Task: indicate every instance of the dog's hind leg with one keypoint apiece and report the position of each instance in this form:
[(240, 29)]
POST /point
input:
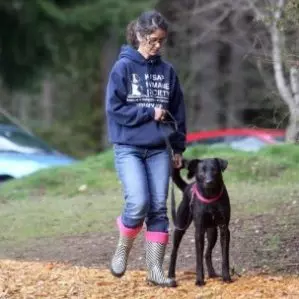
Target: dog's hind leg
[(177, 238), (225, 240), (182, 220), (212, 239)]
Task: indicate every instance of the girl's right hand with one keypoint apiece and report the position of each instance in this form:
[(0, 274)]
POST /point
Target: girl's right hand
[(159, 114)]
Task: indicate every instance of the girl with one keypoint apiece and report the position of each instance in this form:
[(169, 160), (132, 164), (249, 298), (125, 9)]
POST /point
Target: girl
[(143, 93)]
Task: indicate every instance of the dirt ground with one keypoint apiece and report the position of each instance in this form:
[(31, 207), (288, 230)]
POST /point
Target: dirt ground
[(263, 252), (257, 244), (32, 280)]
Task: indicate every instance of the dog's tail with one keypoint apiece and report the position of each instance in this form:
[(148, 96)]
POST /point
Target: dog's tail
[(177, 178), (181, 184)]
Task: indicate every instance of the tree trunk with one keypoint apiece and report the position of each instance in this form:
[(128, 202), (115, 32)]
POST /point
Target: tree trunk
[(109, 54), (236, 26), (24, 100), (204, 111), (236, 90), (293, 128), (287, 95), (47, 103)]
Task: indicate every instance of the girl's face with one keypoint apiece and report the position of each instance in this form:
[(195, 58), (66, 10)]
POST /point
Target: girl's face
[(150, 45)]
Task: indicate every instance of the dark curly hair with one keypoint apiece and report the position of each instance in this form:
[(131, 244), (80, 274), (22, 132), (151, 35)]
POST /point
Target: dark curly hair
[(146, 24), (131, 34)]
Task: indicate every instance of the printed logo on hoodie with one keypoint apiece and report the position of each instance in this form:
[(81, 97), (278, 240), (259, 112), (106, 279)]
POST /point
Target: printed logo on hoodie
[(150, 90)]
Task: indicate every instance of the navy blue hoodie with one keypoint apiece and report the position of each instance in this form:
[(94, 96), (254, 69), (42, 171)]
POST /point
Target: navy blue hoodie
[(136, 85)]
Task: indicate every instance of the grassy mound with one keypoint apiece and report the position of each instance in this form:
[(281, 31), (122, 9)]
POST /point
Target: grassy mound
[(86, 196), (96, 174)]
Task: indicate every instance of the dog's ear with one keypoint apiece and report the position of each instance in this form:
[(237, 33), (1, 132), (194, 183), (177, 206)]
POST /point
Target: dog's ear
[(222, 163), (192, 165)]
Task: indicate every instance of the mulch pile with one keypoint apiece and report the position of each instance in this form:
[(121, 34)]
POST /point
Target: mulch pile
[(55, 280)]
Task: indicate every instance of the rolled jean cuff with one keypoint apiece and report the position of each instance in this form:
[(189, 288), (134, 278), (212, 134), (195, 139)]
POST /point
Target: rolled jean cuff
[(130, 222), (126, 231)]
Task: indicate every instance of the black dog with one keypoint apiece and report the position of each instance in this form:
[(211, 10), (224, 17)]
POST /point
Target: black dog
[(205, 201)]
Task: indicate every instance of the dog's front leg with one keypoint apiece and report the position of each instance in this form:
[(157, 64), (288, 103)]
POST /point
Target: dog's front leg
[(225, 240), (199, 238), (212, 239)]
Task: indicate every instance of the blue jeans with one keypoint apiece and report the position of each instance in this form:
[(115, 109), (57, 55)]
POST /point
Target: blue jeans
[(144, 174)]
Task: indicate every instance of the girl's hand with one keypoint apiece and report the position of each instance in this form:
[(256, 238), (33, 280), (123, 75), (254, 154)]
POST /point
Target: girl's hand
[(159, 114), (177, 161)]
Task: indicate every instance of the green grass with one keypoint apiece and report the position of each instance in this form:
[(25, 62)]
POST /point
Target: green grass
[(273, 162), (21, 220), (53, 202), (96, 173)]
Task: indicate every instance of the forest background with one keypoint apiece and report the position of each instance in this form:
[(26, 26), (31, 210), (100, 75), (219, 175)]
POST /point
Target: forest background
[(237, 61)]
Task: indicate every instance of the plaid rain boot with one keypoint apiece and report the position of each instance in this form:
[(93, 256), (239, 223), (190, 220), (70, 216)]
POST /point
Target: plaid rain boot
[(155, 250), (125, 242)]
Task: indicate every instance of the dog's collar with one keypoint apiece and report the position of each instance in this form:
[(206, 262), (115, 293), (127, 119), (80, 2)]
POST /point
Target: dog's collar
[(195, 193)]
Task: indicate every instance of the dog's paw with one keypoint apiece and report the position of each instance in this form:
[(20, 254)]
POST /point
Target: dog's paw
[(227, 279), (200, 283), (171, 274)]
